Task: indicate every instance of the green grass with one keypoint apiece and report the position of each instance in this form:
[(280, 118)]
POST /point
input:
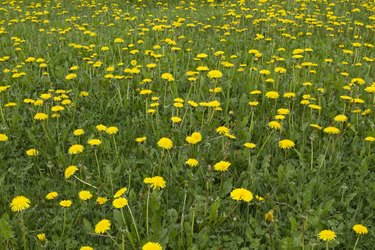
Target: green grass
[(323, 182)]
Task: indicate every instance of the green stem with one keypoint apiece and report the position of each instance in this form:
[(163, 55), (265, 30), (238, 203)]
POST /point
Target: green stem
[(135, 225), (147, 202), (356, 242), (63, 230), (23, 233), (97, 163)]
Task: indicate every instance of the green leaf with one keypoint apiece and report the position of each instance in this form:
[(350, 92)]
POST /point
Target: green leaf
[(6, 231)]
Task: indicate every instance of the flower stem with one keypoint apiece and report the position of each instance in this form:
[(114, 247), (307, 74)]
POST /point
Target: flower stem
[(63, 230), (23, 233), (356, 242), (135, 225), (147, 202)]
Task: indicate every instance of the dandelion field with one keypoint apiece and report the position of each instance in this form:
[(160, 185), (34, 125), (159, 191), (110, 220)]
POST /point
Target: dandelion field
[(187, 124)]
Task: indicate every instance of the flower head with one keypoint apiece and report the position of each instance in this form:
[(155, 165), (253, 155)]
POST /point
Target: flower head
[(120, 202), (156, 182), (75, 149), (51, 195), (66, 203), (194, 138), (86, 248), (120, 192), (192, 162), (3, 137), (40, 116), (85, 195), (32, 152), (214, 74), (152, 246), (102, 226), (222, 166), (69, 171), (19, 203), (112, 130), (286, 144), (327, 235), (360, 229), (94, 142), (241, 194), (41, 237), (331, 130), (165, 143)]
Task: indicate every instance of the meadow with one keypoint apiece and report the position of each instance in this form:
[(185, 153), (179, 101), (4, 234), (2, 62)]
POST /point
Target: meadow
[(210, 124)]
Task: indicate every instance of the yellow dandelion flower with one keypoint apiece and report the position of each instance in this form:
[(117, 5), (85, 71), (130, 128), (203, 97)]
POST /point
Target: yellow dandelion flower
[(3, 137), (327, 235), (120, 192), (75, 149), (241, 194), (40, 116), (32, 152), (112, 130), (214, 74), (269, 217), (86, 248), (250, 145), (340, 118), (274, 125), (102, 226), (19, 203), (85, 195), (360, 229), (272, 95), (41, 237), (192, 162), (51, 195), (286, 144), (156, 182), (152, 246), (94, 142), (331, 130), (69, 171), (141, 139), (78, 132), (66, 203), (119, 202), (222, 166), (165, 143), (101, 200)]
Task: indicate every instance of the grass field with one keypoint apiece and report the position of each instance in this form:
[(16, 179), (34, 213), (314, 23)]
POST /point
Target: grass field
[(187, 124)]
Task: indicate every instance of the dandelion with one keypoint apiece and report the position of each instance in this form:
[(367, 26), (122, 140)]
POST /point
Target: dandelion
[(167, 76), (120, 202), (214, 74), (102, 226), (101, 127), (222, 130), (85, 195), (78, 132), (71, 76), (75, 149), (66, 203), (101, 200), (51, 195), (19, 203), (327, 235), (222, 166), (140, 139), (86, 248), (286, 144), (192, 162), (241, 194), (94, 142), (340, 118), (331, 130), (360, 229), (69, 171), (156, 182), (3, 137), (370, 138), (120, 192), (165, 143), (112, 130), (194, 138), (250, 145), (152, 246), (41, 237), (40, 116), (272, 95), (268, 217), (274, 125), (32, 152)]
